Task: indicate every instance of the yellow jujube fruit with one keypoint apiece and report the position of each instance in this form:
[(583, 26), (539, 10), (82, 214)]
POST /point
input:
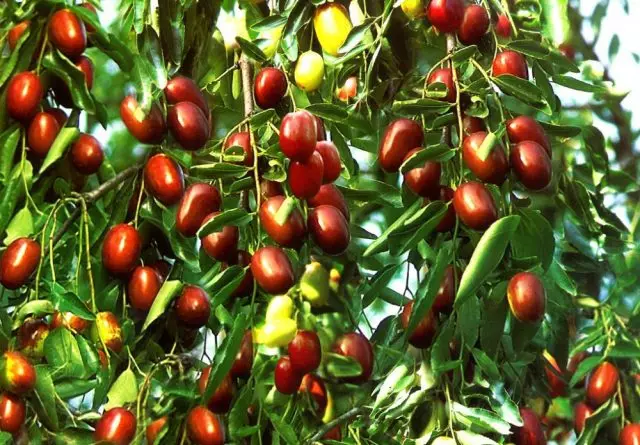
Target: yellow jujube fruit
[(412, 8), (309, 71), (280, 307), (276, 334), (314, 284), (332, 26)]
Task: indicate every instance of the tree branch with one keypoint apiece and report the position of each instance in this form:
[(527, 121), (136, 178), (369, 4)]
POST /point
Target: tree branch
[(245, 70), (335, 422)]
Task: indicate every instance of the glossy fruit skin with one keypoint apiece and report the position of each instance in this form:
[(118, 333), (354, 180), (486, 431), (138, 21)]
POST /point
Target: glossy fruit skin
[(474, 205), (42, 131), (329, 194), (400, 136), (494, 168), (553, 372), (580, 414), (269, 189), (305, 177), (116, 426), (349, 89), (422, 336), (222, 245), (531, 164), (12, 413), (31, 337), (474, 26), (602, 384), (332, 26), (24, 93), (121, 249), (67, 33), (220, 401), (292, 233), (193, 307), (525, 128), (445, 76), (329, 229), (510, 62), (309, 71), (163, 179), (270, 87), (503, 26), (106, 329), (330, 160), (298, 135), (446, 292), (144, 284), (242, 364), (70, 321), (471, 124), (148, 129), (305, 352), (423, 181), (18, 262), (527, 297), (448, 221), (272, 270), (60, 115), (242, 139), (356, 346), (85, 65), (154, 428), (630, 434), (86, 154), (446, 15), (188, 125), (204, 427), (198, 201), (17, 374), (530, 433), (315, 387), (183, 89), (287, 379), (16, 32)]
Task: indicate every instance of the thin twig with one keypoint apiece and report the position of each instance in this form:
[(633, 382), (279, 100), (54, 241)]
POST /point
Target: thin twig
[(335, 422)]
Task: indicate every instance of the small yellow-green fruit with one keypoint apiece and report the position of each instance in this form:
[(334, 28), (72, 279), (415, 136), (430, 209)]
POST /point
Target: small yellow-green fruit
[(412, 8), (276, 335), (280, 307), (314, 284), (309, 71), (332, 26), (334, 280)]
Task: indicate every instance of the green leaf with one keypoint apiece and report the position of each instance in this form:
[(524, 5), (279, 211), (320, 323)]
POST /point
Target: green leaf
[(595, 143), (167, 292), (529, 48), (267, 23), (252, 50), (66, 301), (340, 366), (372, 190), (218, 170), (262, 117), (123, 391), (73, 388), (328, 111), (63, 355), (488, 366), (11, 193), (577, 84), (235, 217), (556, 19), (8, 144), (534, 238), (584, 368), (356, 35), (519, 88), (66, 136), (438, 152), (20, 226), (379, 244), (416, 106), (486, 256), (36, 308), (478, 419), (469, 320), (284, 429), (609, 412), (465, 53), (45, 398), (377, 282), (299, 15), (22, 50), (224, 284), (73, 78)]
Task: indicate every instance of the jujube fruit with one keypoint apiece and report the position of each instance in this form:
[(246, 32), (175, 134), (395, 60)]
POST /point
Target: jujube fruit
[(531, 164), (494, 168), (12, 413), (149, 128), (446, 15), (220, 401), (329, 229), (18, 262), (602, 384), (446, 294), (554, 375), (314, 386), (320, 132), (580, 414), (272, 270), (448, 221), (525, 128), (243, 362), (423, 180), (630, 434), (290, 234), (333, 434), (399, 137), (309, 71), (425, 330), (472, 124), (329, 194), (567, 50), (153, 429), (241, 139), (69, 321), (143, 286), (510, 62), (269, 189), (16, 32), (106, 330), (445, 76), (188, 125), (183, 89), (530, 433), (474, 205), (60, 115), (286, 378), (117, 426), (527, 297), (193, 307), (163, 179), (503, 26), (86, 154), (31, 337), (221, 245), (42, 131), (121, 249), (358, 347), (413, 9), (330, 160), (198, 201), (24, 93), (305, 351), (84, 64), (270, 87), (475, 23), (305, 177), (332, 26), (17, 374), (67, 33), (298, 135), (204, 427), (349, 89), (245, 287)]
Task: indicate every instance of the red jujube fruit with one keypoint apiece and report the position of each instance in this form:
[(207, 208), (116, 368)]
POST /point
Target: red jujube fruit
[(531, 164), (580, 414), (221, 245), (330, 161), (18, 262), (149, 128), (472, 124), (602, 384), (290, 234), (358, 347), (503, 26), (446, 292), (188, 125), (445, 15), (116, 426), (494, 168), (196, 204), (42, 131), (305, 352), (314, 386), (193, 307), (272, 270), (445, 76), (270, 87), (423, 181), (298, 135), (399, 137), (163, 179), (246, 285), (527, 297), (24, 93), (241, 139), (154, 428), (530, 433), (242, 364), (17, 374), (329, 194), (525, 128), (286, 378), (144, 284), (220, 401), (16, 32), (510, 62), (474, 205), (305, 177), (67, 33), (12, 413), (183, 89), (630, 434), (329, 229), (425, 330), (474, 26), (86, 154), (121, 249), (204, 427)]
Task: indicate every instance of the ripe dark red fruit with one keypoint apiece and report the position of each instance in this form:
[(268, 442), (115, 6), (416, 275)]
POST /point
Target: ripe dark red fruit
[(333, 434), (269, 189), (222, 245), (245, 287), (474, 26), (116, 426), (196, 204), (188, 125), (630, 434), (86, 154), (422, 336), (148, 129), (329, 229), (220, 401), (272, 270), (445, 15), (24, 93), (121, 249), (446, 292), (400, 136), (70, 321), (531, 164), (305, 352), (154, 428), (423, 181), (525, 128), (85, 65), (270, 87), (320, 133), (527, 297), (18, 262), (471, 124), (193, 307), (448, 221), (204, 427), (31, 337), (290, 234), (298, 135), (494, 168), (503, 26), (329, 194), (474, 205), (106, 330), (567, 50), (16, 32), (12, 413), (530, 433), (17, 374), (580, 414), (445, 76), (287, 379), (330, 160), (67, 33), (305, 177), (314, 386), (241, 139), (356, 346), (242, 364), (144, 284), (163, 179), (61, 116), (553, 372), (510, 62), (183, 89), (42, 131), (602, 384)]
